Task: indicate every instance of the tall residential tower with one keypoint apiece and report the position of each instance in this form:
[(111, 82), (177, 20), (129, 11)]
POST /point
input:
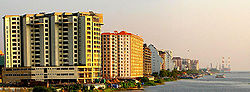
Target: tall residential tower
[(55, 39), (12, 40), (122, 55), (147, 66)]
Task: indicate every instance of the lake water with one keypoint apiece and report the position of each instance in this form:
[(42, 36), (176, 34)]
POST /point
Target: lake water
[(234, 82)]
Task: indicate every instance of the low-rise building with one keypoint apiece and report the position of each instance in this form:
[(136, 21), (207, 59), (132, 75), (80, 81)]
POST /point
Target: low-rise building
[(50, 74)]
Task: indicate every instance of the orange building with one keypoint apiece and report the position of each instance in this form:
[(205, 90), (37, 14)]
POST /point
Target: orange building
[(122, 55), (1, 53)]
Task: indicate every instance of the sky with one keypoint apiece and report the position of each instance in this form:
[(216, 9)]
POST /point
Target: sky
[(209, 29)]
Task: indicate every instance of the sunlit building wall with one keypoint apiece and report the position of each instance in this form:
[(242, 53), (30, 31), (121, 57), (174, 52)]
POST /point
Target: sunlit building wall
[(12, 40), (55, 39), (147, 66), (122, 55), (156, 59)]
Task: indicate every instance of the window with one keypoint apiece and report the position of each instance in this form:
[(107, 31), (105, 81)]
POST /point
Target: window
[(88, 32), (13, 27), (88, 28), (75, 19), (88, 19), (13, 18)]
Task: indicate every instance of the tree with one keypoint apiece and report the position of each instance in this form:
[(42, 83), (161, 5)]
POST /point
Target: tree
[(164, 73), (40, 89), (92, 87), (138, 85), (85, 88), (174, 74), (144, 79), (155, 74), (52, 89)]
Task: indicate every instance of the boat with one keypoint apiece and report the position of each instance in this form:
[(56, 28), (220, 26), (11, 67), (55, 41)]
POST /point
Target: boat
[(220, 76)]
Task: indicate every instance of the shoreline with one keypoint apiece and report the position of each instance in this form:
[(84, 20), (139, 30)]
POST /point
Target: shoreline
[(142, 88)]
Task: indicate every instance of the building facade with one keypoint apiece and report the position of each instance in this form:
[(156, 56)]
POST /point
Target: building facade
[(122, 55), (167, 56), (194, 64), (55, 39), (12, 40), (147, 66), (185, 64), (178, 63), (156, 59), (52, 74)]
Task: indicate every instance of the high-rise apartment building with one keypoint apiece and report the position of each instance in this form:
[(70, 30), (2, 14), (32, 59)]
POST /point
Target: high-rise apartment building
[(36, 40), (147, 70), (122, 55), (177, 62), (194, 64), (156, 59), (167, 56), (12, 40), (55, 39), (185, 64)]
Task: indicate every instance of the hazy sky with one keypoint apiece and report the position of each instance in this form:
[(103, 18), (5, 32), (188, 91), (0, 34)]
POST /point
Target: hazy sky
[(209, 28)]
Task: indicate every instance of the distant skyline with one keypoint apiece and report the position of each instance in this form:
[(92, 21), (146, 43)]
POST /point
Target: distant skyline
[(210, 29)]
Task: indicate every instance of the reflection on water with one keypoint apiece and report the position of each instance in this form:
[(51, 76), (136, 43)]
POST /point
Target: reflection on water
[(234, 82)]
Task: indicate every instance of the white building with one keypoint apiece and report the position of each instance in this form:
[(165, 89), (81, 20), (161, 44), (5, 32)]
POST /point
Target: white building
[(167, 56), (155, 59)]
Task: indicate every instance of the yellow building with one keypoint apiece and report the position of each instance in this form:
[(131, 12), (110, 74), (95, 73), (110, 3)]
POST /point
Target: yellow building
[(55, 39), (136, 56), (1, 53), (122, 55), (12, 40)]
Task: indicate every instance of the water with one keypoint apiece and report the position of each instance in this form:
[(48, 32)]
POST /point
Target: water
[(234, 82)]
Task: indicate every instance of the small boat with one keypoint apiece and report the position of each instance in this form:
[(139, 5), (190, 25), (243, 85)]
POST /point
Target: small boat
[(220, 76)]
